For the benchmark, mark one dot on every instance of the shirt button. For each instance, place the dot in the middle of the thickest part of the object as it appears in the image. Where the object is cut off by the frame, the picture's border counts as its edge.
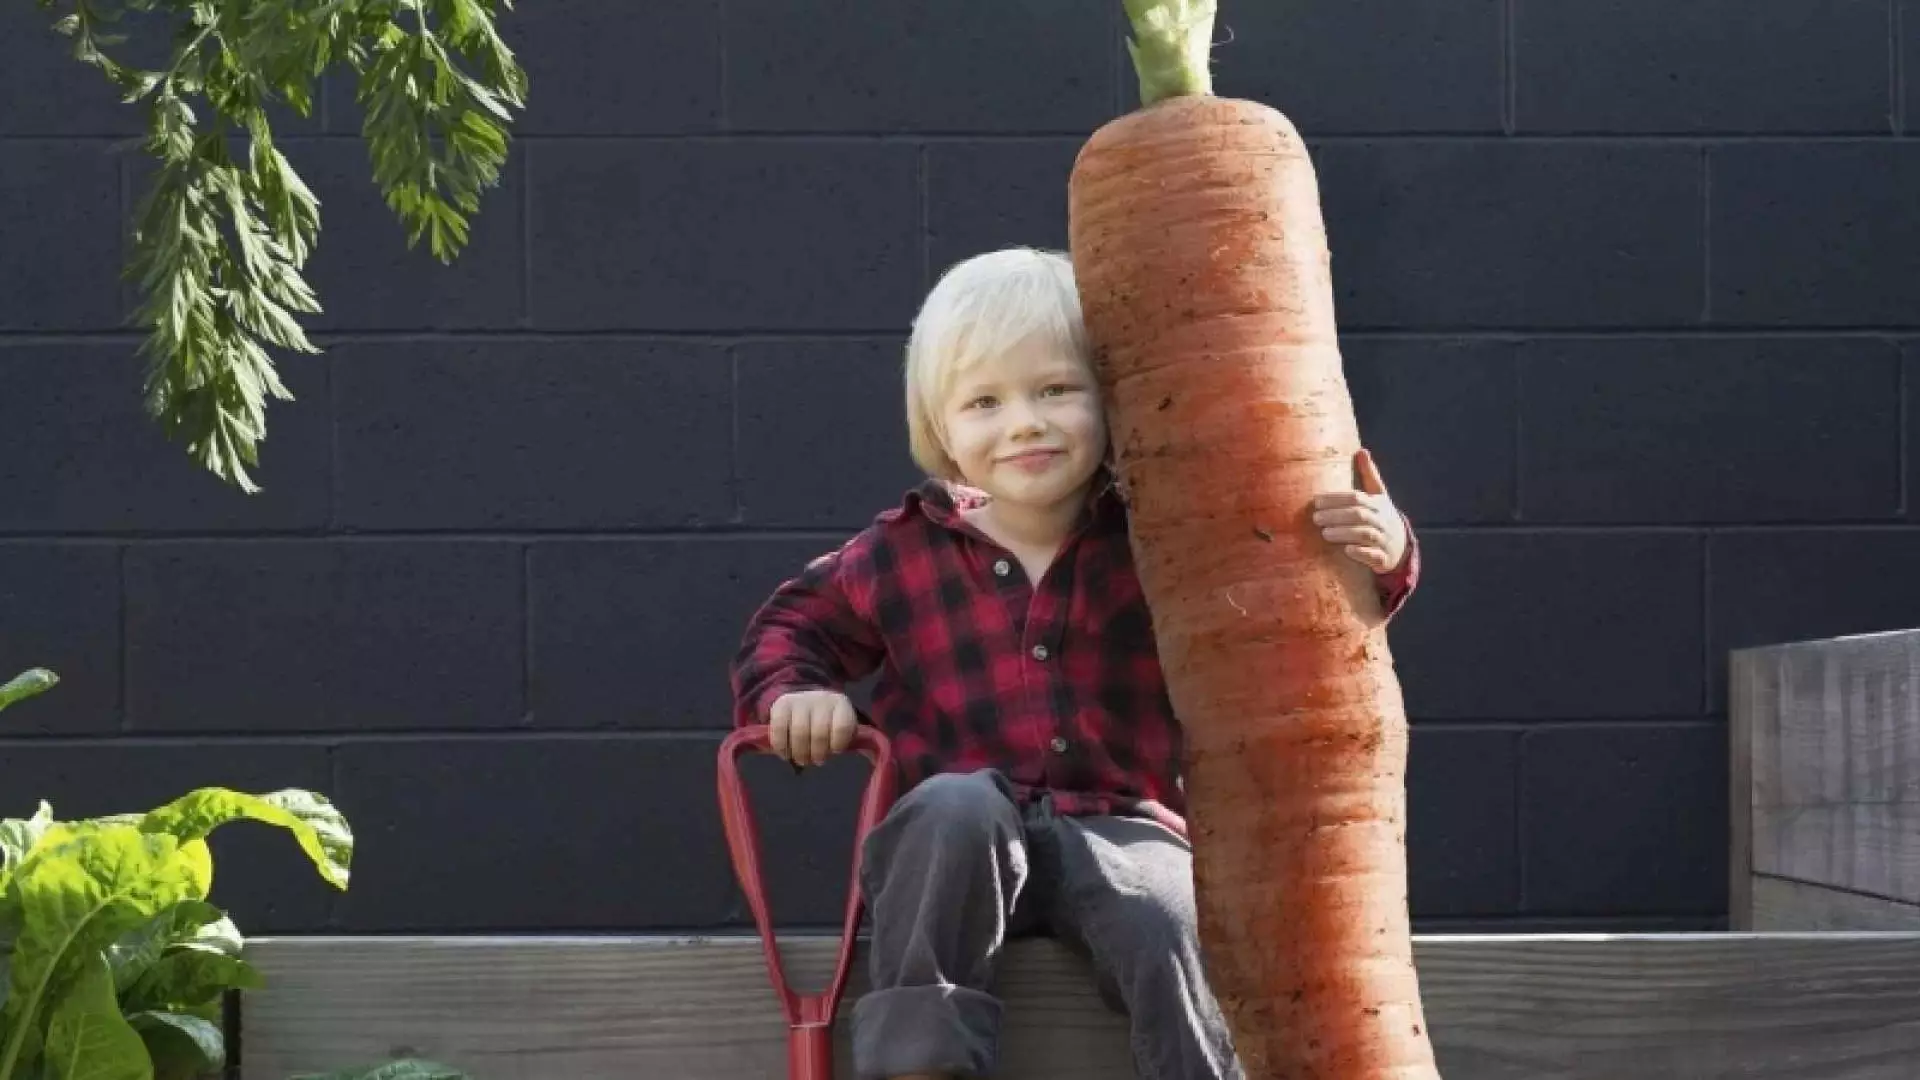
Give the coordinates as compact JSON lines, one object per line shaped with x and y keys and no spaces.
{"x":1040,"y":652}
{"x":1059,"y":745}
{"x":1003,"y":567}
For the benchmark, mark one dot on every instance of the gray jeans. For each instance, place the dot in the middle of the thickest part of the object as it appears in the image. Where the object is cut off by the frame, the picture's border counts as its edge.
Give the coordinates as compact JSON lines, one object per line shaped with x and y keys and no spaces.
{"x":957,"y":867}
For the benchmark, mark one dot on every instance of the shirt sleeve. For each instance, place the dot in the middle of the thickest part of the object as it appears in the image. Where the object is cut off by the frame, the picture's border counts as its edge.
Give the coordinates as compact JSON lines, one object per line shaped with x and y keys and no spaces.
{"x":1398,"y":583}
{"x":807,"y":636}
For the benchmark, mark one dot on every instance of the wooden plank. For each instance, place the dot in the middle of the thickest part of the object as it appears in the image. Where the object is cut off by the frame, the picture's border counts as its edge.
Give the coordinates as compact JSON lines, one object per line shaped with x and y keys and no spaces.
{"x":1556,"y":1007}
{"x":1780,"y":904}
{"x":1749,"y":696}
{"x":1862,"y":848}
{"x":1831,"y":734}
{"x":618,"y":1008}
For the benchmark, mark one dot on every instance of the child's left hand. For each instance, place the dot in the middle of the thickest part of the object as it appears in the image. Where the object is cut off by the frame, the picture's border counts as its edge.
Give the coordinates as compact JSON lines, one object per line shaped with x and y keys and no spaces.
{"x":1365,"y":522}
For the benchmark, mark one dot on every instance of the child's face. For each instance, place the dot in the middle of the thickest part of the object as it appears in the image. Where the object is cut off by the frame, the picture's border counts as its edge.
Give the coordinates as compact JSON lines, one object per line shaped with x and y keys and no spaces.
{"x":1026,"y":426}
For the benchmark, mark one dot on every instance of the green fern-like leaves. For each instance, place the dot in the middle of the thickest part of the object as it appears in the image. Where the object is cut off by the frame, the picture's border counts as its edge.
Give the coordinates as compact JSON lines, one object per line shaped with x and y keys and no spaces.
{"x":226,"y":225}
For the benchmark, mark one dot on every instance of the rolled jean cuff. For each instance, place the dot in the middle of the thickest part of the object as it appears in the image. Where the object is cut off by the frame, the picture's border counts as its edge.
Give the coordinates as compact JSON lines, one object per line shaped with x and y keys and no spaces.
{"x":925,"y":1029}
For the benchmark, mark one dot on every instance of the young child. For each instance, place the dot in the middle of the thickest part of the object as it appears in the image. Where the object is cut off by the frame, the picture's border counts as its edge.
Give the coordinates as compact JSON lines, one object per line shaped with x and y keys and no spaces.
{"x":1018,"y":682}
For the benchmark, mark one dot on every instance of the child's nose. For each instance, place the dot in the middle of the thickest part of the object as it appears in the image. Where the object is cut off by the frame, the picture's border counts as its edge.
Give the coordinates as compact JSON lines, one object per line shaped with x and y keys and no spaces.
{"x":1024,"y":417}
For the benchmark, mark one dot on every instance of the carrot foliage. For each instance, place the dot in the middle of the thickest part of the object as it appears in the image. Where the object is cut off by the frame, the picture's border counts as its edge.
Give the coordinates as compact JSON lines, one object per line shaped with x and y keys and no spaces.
{"x":225,"y":224}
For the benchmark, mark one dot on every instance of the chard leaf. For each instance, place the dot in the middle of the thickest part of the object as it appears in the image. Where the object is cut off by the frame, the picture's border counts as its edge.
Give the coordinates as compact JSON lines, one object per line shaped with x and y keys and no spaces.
{"x":101,"y":846}
{"x":319,"y":827}
{"x":190,"y":978}
{"x":26,"y":684}
{"x":219,"y":936}
{"x":10,"y":924}
{"x":18,"y":837}
{"x":184,"y":925}
{"x":181,"y":1045}
{"x":79,"y":890}
{"x":88,"y":1038}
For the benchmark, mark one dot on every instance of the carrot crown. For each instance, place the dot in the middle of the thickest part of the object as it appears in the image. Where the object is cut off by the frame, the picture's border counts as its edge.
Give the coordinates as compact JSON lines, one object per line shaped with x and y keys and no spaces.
{"x":1170,"y":43}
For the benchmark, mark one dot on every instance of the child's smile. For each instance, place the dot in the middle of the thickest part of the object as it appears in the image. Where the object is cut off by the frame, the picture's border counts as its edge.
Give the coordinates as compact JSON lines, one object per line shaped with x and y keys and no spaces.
{"x":1036,"y":461}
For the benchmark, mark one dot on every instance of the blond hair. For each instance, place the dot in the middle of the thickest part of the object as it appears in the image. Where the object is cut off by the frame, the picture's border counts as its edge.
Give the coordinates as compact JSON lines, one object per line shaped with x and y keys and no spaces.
{"x":981,"y":306}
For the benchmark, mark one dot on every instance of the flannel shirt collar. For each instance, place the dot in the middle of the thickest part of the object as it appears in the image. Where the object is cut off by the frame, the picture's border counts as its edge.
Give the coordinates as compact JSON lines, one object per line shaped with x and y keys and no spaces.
{"x":945,"y":502}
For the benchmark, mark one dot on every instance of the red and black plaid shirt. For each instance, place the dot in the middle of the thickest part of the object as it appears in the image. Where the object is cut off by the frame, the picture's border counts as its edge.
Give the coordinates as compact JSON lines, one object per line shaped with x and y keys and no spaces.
{"x":1059,"y":687}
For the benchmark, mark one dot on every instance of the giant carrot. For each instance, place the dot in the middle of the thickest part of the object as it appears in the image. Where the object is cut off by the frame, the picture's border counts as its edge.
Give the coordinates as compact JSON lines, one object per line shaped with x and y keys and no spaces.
{"x":1203,"y":268}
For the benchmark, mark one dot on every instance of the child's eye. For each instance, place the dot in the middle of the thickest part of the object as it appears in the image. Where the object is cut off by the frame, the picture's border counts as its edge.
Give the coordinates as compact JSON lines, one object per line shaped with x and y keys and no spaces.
{"x":985,"y":401}
{"x":1060,"y":388}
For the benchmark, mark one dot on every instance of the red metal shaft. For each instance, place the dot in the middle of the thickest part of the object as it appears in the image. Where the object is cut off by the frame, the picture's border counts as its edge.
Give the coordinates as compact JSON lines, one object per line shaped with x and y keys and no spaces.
{"x":810,"y":1052}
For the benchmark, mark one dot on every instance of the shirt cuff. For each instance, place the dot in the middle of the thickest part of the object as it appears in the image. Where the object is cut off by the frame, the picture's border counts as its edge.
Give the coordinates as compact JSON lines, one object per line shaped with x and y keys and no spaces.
{"x":756,"y":710}
{"x":1156,"y":811}
{"x":1398,"y":583}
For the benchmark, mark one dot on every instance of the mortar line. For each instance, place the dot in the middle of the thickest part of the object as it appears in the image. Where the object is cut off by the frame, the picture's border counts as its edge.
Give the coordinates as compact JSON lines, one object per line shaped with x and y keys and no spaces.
{"x":1509,"y":69}
{"x":736,"y":489}
{"x":1706,"y":234}
{"x":120,"y":645}
{"x":126,"y":293}
{"x":335,"y":918}
{"x":1708,"y":678}
{"x":1903,"y":431}
{"x":725,"y":74}
{"x":330,"y":393}
{"x":1896,"y":68}
{"x":526,"y":238}
{"x":1515,"y":512}
{"x":329,"y":372}
{"x":923,"y":166}
{"x":526,"y":637}
{"x":1520,"y":868}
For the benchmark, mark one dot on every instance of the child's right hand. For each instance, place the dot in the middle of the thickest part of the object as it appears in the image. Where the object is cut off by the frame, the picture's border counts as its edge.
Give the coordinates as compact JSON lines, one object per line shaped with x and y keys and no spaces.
{"x":807,"y":727}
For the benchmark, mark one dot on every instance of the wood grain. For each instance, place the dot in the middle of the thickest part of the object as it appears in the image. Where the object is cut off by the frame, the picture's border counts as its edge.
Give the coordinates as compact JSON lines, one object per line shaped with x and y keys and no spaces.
{"x":1778,"y":902}
{"x":1825,"y":744}
{"x":1683,"y":1006}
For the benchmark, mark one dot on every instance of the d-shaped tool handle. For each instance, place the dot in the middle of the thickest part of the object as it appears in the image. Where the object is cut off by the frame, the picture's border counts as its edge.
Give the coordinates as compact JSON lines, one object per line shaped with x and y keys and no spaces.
{"x":809,"y":1016}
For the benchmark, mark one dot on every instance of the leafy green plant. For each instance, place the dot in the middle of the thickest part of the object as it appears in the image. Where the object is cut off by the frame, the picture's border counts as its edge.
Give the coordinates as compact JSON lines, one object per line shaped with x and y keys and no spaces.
{"x":220,"y":238}
{"x":116,"y":963}
{"x":26,"y":684}
{"x":113,"y":965}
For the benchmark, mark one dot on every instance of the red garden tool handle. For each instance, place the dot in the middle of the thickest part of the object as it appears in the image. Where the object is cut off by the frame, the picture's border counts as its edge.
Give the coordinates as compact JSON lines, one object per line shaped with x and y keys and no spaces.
{"x":809,"y":1016}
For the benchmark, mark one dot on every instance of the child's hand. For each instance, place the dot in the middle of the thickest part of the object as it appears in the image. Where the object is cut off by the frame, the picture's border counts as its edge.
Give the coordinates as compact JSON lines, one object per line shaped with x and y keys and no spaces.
{"x":1365,"y":522}
{"x":807,"y":727}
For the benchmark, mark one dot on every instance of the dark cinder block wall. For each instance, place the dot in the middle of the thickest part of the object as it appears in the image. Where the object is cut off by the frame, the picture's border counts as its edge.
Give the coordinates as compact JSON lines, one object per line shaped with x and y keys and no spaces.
{"x":1631,"y":295}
